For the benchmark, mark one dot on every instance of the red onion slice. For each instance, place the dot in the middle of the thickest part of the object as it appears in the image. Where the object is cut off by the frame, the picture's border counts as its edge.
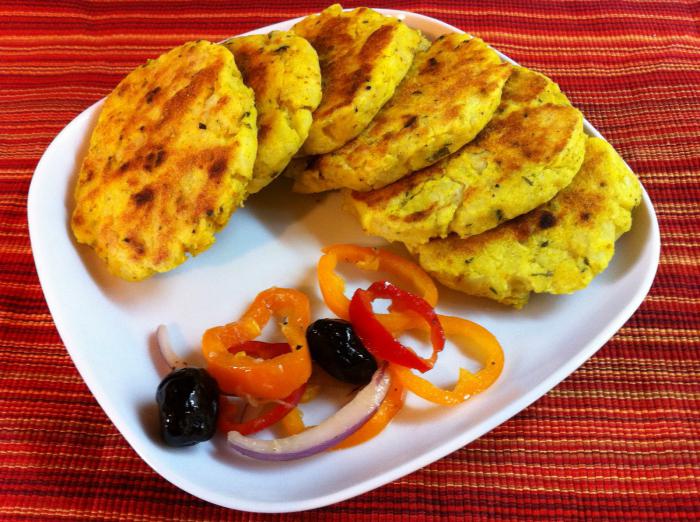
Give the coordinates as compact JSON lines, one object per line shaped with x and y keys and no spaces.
{"x":327,"y":434}
{"x":166,"y":349}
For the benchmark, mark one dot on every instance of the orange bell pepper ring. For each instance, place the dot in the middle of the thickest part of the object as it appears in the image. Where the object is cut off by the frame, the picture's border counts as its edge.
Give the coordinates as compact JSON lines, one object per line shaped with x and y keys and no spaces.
{"x":372,"y":259}
{"x":487,"y":349}
{"x":242,"y":374}
{"x":293,"y":423}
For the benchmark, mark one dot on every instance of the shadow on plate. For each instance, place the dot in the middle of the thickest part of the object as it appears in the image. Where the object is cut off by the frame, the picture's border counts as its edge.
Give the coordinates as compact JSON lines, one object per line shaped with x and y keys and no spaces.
{"x":148,"y":415}
{"x":629,"y":248}
{"x":264,"y":219}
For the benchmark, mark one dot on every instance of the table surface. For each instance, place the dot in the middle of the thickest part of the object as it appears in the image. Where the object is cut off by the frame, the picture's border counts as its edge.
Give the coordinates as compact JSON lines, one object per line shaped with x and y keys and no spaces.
{"x":620,"y":438}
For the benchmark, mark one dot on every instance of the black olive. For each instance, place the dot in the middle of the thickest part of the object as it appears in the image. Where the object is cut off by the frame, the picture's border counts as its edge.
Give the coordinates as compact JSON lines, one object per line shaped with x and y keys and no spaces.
{"x":188,"y":400}
{"x":337,"y":349}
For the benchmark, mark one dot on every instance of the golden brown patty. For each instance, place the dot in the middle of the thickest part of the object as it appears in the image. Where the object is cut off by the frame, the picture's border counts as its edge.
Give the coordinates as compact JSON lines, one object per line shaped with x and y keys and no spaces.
{"x":529,"y":151}
{"x":168,"y":162}
{"x":448,"y":96}
{"x":364,"y":55}
{"x":283,"y":71}
{"x":557,"y":248}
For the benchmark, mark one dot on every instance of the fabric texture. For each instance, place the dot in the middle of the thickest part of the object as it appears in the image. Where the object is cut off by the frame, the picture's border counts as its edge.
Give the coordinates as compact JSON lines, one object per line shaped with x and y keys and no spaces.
{"x":619,"y":439}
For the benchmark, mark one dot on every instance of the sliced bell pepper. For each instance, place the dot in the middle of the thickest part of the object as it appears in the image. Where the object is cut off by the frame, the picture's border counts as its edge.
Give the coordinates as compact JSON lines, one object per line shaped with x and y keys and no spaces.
{"x":373,"y":259}
{"x":390,"y":406}
{"x":265,"y":420}
{"x":260,"y":349}
{"x":380,"y":341}
{"x":292,"y":423}
{"x":242,"y":374}
{"x":488,"y":351}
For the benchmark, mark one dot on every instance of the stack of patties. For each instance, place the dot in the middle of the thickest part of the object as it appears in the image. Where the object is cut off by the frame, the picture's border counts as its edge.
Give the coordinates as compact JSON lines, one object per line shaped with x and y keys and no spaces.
{"x":179,"y":145}
{"x":531,"y":148}
{"x":283,"y":71}
{"x":557,"y":248}
{"x":363,"y":56}
{"x":466,"y":159}
{"x":448,"y":95}
{"x":457,"y":215}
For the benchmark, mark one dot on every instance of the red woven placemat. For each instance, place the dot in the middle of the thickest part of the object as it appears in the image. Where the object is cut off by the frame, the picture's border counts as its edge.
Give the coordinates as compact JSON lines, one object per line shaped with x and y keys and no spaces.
{"x":618,"y":439}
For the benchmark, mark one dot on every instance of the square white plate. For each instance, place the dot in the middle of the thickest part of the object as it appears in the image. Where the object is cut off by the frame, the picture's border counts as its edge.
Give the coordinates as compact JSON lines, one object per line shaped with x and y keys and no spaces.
{"x":107,"y":326}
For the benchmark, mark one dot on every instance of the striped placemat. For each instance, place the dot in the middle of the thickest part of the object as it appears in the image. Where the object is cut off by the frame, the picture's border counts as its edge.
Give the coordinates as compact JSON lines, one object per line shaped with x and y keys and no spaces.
{"x":619,"y":439}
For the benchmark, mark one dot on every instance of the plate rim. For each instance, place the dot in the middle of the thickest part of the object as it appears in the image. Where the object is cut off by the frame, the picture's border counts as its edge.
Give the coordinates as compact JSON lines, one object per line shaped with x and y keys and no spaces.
{"x":412,"y":464}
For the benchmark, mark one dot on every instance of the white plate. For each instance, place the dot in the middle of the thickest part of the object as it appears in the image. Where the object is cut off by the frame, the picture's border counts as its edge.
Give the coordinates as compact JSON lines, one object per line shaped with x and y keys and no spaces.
{"x":107,"y":326}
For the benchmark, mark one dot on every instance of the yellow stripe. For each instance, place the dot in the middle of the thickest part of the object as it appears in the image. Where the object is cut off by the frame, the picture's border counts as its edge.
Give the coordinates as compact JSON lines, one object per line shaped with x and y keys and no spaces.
{"x":76,"y":68}
{"x":582,"y":489}
{"x":31,"y":431}
{"x":39,"y":114}
{"x":674,"y":208}
{"x":667,"y":372}
{"x":650,"y":364}
{"x":673,"y":374}
{"x":694,"y":134}
{"x":629,"y":53}
{"x":16,"y":139}
{"x":542,"y":52}
{"x":162,"y":41}
{"x":34,"y":346}
{"x":50,"y":394}
{"x":519,"y":441}
{"x":663,"y":182}
{"x":606,"y":17}
{"x":623,"y":41}
{"x":39,"y":93}
{"x":18,"y":319}
{"x":555,"y":51}
{"x":37,"y":378}
{"x":42,"y":50}
{"x":669,"y":243}
{"x":636,"y":338}
{"x":124,"y":512}
{"x":625,"y":394}
{"x":41,"y":359}
{"x":601,"y":70}
{"x":598,"y":466}
{"x":617,"y":71}
{"x":679,"y":234}
{"x":139,"y":16}
{"x":672,"y":299}
{"x":583,"y":451}
{"x":73,"y":467}
{"x":686,"y":260}
{"x":652,"y":179}
{"x":124,"y":453}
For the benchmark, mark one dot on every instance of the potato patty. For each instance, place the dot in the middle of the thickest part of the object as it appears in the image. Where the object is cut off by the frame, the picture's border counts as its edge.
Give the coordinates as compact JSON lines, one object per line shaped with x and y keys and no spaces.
{"x":557,"y":248}
{"x":363,"y":55}
{"x":529,"y":151}
{"x":168,"y":161}
{"x":448,"y":96}
{"x":283,"y":71}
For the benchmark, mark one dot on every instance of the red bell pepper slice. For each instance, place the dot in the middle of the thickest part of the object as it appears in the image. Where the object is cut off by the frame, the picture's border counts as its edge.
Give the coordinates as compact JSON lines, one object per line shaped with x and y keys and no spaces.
{"x":378,"y":340}
{"x":266,"y":420}
{"x":260,"y":349}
